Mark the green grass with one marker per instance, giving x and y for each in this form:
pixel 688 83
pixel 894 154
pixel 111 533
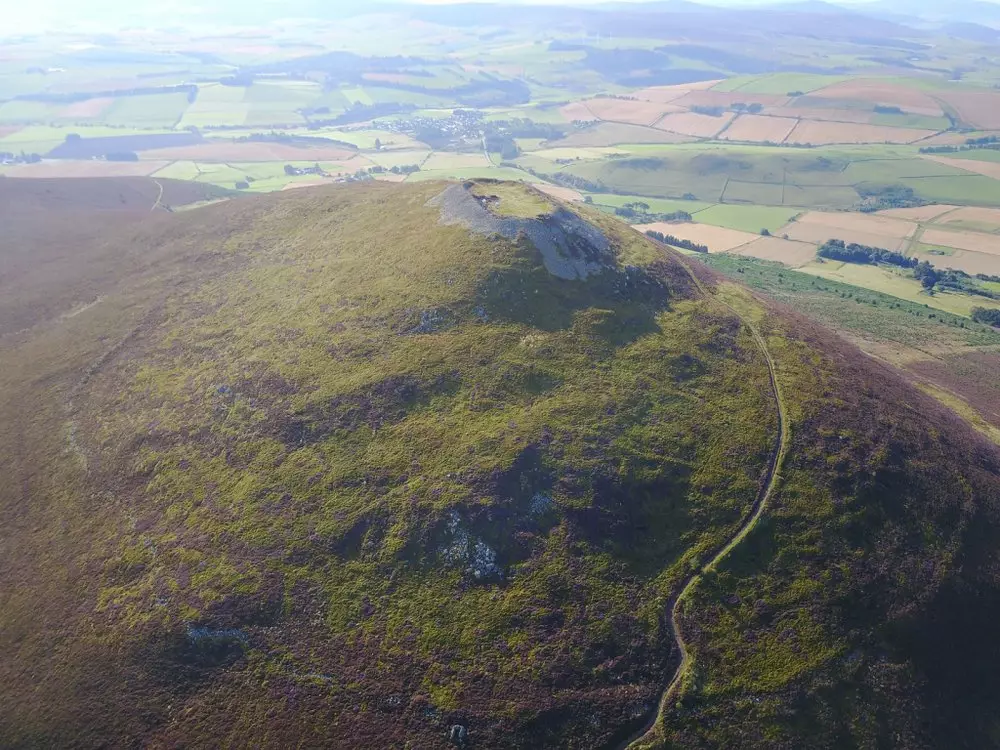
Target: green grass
pixel 159 111
pixel 855 309
pixel 217 105
pixel 979 154
pixel 179 170
pixel 467 173
pixel 514 200
pixel 737 191
pixel 746 218
pixel 970 189
pixel 896 284
pixel 28 112
pixel 43 138
pixel 656 205
pixel 414 389
pixel 779 83
pixel 923 122
pixel 355 95
pixel 807 178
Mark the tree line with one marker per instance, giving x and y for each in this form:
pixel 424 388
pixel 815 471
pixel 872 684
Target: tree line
pixel 855 253
pixel 923 271
pixel 669 239
pixel 987 316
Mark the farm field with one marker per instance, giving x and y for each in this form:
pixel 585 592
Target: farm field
pixel 216 105
pixel 829 133
pixel 788 252
pixel 694 124
pixel 895 284
pixel 251 151
pixel 987 167
pixel 759 128
pixel 153 111
pixel 778 83
pixel 627 111
pixel 980 219
pixel 746 218
pixel 656 205
pixel 468 173
pixel 441 160
pixel 717 239
pixel 614 134
pixel 954 358
pixel 83 168
pixel 882 92
pixel 961 260
pixel 864 229
pixel 962 240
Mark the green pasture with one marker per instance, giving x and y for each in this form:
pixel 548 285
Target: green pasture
pixel 217 105
pixel 150 111
pixel 923 122
pixel 779 83
pixel 746 218
pixel 496 173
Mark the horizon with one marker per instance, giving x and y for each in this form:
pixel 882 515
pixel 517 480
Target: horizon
pixel 48 15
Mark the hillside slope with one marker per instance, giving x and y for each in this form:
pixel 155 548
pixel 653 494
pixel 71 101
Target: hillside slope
pixel 355 466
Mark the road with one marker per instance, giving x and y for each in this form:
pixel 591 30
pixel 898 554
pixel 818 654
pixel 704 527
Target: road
pixel 648 734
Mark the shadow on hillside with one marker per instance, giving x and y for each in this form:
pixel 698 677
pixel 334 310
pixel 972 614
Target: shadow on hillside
pixel 528 294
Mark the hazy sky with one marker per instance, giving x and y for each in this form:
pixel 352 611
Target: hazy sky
pixel 31 15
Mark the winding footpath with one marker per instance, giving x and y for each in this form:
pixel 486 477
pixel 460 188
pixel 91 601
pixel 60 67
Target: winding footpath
pixel 159 198
pixel 648 734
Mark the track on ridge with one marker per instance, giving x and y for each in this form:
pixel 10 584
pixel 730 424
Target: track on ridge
pixel 648 733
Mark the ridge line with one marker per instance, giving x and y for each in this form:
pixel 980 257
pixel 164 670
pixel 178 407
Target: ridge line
pixel 650 731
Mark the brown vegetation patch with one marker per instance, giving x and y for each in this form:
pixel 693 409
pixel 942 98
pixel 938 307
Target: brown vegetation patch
pixel 987 168
pixel 628 111
pixel 692 123
pixel 979 109
pixel 577 112
pixel 759 128
pixel 963 260
pixel 614 133
pixel 249 151
pixel 728 99
pixel 557 191
pixel 824 133
pixel 88 108
pixel 717 239
pixel 86 168
pixel 885 93
pixel 973 376
pixel 956 139
pixel 984 216
pixel 918 213
pixel 670 93
pixel 388 77
pixel 865 229
pixel 857 116
pixel 6 130
pixel 789 252
pixel 447 160
pixel 977 242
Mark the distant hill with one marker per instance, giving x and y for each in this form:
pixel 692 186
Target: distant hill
pixel 427 465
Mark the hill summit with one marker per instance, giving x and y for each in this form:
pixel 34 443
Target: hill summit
pixel 404 465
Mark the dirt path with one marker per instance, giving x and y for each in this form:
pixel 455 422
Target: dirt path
pixel 159 197
pixel 650 731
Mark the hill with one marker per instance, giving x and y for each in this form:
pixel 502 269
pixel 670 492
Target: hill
pixel 378 465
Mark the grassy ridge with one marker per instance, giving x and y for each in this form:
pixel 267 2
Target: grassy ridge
pixel 352 472
pixel 358 473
